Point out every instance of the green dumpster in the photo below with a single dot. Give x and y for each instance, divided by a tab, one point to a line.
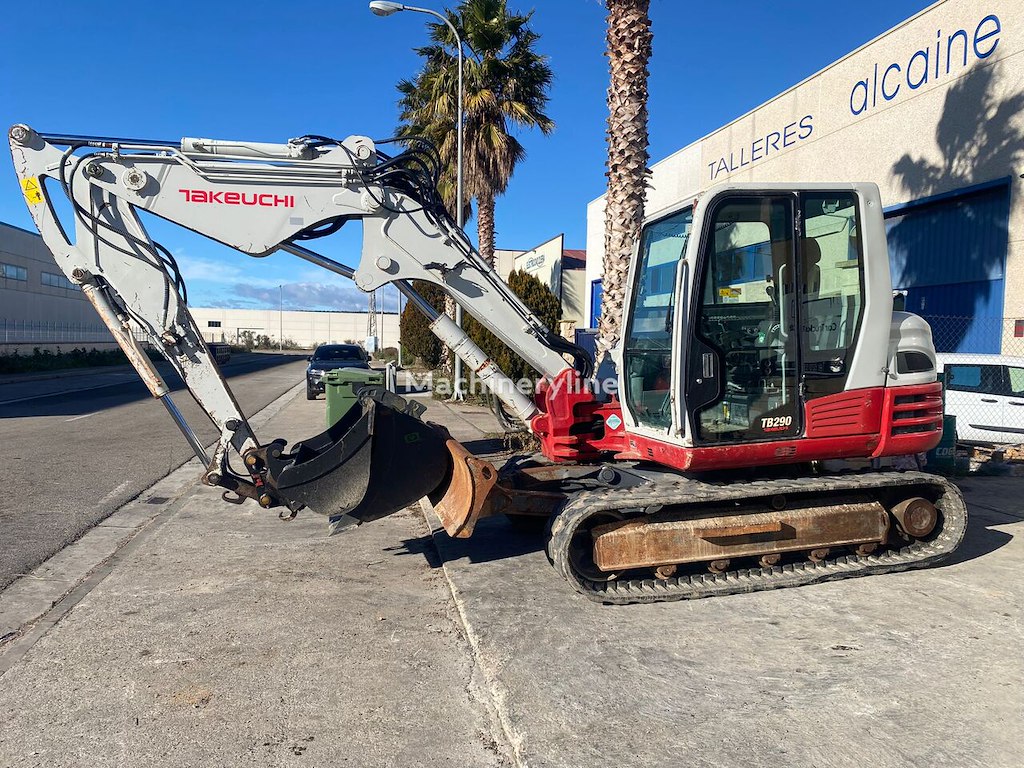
943	456
342	387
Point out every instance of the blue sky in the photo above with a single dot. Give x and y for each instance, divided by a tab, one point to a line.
267	71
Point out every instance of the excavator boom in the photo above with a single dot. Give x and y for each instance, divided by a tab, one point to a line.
260	198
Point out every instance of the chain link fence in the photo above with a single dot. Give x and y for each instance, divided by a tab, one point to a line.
977	335
14	333
981	360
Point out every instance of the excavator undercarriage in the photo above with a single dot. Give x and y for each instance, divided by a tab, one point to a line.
633	533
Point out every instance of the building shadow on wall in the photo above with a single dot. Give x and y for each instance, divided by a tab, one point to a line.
978	143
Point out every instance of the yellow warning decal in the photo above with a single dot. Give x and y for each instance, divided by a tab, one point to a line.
730	293
32	191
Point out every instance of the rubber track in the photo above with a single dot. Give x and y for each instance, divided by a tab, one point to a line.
953	518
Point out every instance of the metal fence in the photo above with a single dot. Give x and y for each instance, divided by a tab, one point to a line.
51	332
982	368
977	335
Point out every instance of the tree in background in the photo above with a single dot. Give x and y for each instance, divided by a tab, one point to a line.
506	85
417	339
629	50
541	301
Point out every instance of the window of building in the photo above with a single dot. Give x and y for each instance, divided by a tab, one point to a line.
13	272
57	281
213	323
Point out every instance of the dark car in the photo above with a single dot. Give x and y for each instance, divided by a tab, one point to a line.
328	357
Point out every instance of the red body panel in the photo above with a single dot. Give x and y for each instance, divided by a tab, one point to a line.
857	412
573	425
864	423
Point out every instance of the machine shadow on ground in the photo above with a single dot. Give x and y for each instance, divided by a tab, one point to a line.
981	538
495	538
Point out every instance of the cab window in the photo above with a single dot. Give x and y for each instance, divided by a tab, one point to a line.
831	291
742	382
647	355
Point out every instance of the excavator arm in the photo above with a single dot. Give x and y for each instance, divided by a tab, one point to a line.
260	198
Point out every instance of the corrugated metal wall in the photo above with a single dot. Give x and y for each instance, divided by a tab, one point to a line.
949	254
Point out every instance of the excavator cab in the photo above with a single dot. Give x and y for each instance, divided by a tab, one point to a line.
729	334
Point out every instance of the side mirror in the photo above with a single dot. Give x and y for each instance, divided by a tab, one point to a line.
309	358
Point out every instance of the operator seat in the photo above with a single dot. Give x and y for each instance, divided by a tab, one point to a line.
810	256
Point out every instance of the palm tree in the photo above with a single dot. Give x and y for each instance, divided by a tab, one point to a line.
506	87
629	49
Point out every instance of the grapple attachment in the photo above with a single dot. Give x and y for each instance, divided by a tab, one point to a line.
379	458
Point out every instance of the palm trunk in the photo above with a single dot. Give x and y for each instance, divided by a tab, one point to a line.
629	49
485	225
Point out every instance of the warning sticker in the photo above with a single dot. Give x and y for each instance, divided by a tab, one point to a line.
730	293
30	188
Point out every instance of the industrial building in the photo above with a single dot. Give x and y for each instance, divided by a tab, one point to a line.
300	327
933	112
40	307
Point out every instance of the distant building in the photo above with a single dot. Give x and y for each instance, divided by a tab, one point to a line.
40	307
303	328
560	269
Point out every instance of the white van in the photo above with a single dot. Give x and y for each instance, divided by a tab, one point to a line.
986	394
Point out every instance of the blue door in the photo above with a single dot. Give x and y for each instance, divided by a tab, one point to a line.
595	302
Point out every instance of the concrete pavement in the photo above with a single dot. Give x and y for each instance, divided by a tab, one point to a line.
220	636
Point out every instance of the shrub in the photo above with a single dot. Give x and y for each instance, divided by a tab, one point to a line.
414	328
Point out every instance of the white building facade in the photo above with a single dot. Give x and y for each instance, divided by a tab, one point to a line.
933	112
300	327
40	307
559	269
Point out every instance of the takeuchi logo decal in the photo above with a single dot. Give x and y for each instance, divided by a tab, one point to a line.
264	200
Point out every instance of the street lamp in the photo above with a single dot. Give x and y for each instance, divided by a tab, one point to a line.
386	8
280	319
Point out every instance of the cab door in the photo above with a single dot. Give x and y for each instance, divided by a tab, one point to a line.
830	289
742	367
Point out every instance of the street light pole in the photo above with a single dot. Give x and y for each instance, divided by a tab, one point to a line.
385	8
280	319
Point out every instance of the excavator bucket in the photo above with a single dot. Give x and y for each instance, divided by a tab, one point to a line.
379	458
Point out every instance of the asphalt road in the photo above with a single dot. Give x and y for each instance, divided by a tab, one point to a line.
73	450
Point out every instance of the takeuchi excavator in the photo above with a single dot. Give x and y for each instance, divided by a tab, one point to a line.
759	343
